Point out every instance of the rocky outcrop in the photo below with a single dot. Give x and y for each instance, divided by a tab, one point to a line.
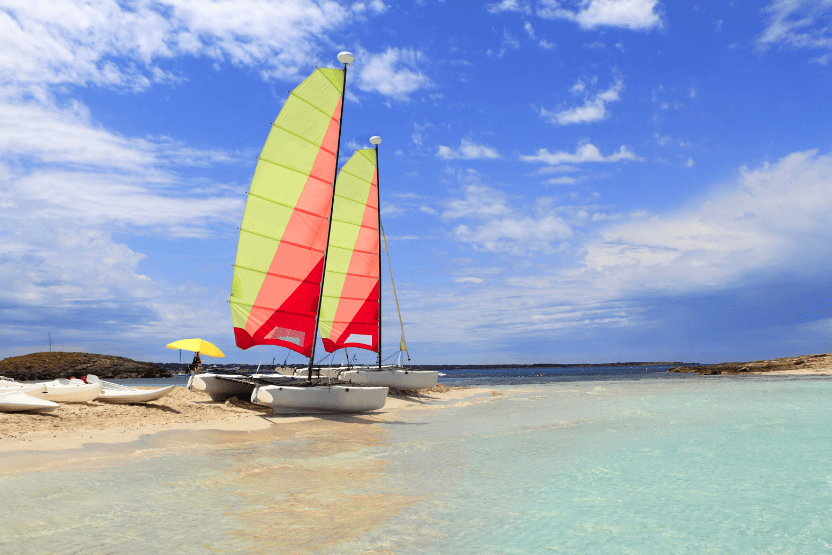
52	365
757	366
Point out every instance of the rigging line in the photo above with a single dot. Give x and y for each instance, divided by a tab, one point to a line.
395	296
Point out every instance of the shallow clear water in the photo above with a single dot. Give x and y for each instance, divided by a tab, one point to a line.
706	465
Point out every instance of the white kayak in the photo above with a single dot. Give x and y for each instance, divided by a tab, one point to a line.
67	391
16	400
115	393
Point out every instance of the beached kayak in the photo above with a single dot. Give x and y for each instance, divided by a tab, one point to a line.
17	400
115	393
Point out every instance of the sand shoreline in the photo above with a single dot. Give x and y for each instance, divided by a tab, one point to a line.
88	432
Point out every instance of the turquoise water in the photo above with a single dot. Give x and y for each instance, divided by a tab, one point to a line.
709	465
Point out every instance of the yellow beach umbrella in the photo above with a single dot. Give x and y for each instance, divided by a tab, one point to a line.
198	346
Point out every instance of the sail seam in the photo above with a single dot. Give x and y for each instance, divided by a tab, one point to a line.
353	223
293	169
299	97
330	80
351	249
282	241
358	177
349	274
266	272
302	138
351	298
361	202
302	314
301	210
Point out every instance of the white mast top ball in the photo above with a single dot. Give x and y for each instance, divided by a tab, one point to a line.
346	58
375	139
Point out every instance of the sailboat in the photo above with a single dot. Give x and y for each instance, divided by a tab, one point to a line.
278	274
351	308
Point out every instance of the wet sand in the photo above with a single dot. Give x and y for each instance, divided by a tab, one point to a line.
97	431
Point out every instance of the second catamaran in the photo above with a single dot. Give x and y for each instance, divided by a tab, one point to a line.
281	254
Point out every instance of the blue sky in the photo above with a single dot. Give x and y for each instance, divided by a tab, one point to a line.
574	181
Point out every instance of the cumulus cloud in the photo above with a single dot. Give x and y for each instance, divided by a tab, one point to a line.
110	44
586	152
67	186
775	218
468	150
593	109
494	225
799	24
395	72
637	15
508	6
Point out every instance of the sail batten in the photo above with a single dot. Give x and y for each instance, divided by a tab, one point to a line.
280	255
350	302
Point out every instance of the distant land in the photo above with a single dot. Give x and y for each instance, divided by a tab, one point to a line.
247	367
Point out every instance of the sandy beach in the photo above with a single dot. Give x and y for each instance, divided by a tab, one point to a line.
97	430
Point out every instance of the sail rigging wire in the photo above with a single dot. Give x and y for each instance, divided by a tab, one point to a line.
403	346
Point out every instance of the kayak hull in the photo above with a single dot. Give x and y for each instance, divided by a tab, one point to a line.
20	401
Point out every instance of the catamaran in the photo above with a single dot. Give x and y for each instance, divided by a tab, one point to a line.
281	254
351	308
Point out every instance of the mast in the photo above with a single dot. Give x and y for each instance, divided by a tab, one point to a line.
376	140
345	58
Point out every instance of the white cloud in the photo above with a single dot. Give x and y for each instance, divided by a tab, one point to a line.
775	218
529	30
593	109
496	226
66	187
546	45
799	24
586	152
394	73
508	6
638	15
468	280
510	41
564	180
467	150
663	140
110	44
689	163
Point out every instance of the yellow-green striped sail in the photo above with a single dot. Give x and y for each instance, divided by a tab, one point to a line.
277	275
349	309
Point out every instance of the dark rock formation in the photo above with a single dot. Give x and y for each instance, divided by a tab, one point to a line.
49	366
777	364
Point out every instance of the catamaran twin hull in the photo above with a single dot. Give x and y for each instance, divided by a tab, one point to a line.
289	398
323	398
399	378
221	387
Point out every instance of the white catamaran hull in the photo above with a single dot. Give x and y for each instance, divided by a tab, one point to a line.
400	378
17	401
220	389
322	398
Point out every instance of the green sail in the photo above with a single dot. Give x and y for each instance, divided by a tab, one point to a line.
350	305
277	275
